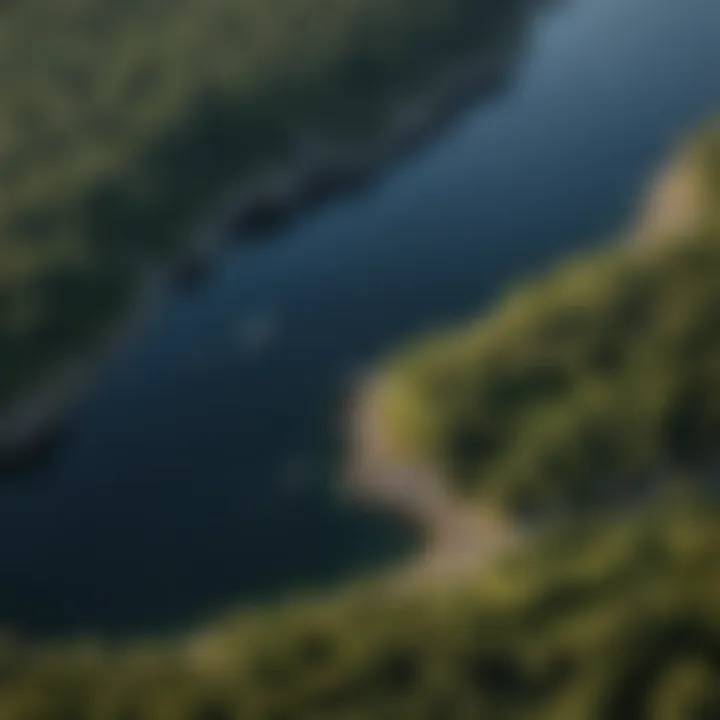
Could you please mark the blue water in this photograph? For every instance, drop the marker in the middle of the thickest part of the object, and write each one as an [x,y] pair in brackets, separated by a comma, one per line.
[201,472]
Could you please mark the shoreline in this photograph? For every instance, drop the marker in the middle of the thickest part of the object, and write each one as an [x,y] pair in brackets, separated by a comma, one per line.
[458,535]
[260,206]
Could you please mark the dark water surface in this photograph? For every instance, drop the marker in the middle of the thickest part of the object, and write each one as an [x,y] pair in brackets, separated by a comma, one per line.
[200,473]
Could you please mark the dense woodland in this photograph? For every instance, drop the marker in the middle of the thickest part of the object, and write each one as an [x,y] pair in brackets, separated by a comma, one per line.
[121,121]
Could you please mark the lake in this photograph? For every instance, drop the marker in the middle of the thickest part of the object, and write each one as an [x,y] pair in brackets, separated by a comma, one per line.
[202,472]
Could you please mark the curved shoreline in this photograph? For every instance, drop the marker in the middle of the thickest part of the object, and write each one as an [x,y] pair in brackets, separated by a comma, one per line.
[458,535]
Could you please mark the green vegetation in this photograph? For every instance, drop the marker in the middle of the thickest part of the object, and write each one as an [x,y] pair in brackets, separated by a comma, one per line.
[602,374]
[120,121]
[619,621]
[582,387]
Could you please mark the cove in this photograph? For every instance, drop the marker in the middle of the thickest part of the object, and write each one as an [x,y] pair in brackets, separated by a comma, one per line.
[201,472]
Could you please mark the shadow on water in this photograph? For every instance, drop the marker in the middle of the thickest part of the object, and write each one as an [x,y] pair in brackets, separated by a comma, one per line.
[345,171]
[321,169]
[271,209]
[25,463]
[413,125]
